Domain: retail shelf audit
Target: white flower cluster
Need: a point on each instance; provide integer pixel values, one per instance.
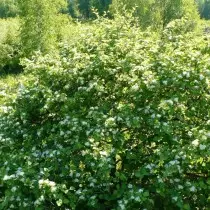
(46, 182)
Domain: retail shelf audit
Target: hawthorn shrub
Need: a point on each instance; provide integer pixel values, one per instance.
(119, 120)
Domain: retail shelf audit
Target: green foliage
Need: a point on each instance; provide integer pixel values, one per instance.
(179, 27)
(73, 8)
(101, 5)
(9, 85)
(8, 8)
(158, 13)
(119, 120)
(39, 24)
(204, 8)
(144, 10)
(83, 8)
(9, 45)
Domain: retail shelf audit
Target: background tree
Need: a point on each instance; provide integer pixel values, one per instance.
(100, 5)
(73, 8)
(8, 8)
(39, 26)
(83, 8)
(204, 8)
(158, 13)
(144, 9)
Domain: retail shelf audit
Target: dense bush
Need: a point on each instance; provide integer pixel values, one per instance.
(119, 120)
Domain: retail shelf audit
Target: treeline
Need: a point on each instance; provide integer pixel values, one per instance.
(84, 8)
(204, 8)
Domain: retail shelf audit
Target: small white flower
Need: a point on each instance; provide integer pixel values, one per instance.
(141, 190)
(78, 192)
(201, 77)
(158, 115)
(165, 124)
(148, 166)
(175, 198)
(82, 197)
(20, 173)
(53, 189)
(202, 147)
(41, 182)
(193, 189)
(6, 177)
(14, 189)
(91, 184)
(18, 198)
(208, 134)
(25, 204)
(172, 162)
(165, 82)
(94, 180)
(130, 186)
(195, 142)
(62, 133)
(125, 201)
(104, 153)
(176, 99)
(51, 184)
(41, 198)
(170, 102)
(135, 87)
(188, 183)
(92, 164)
(137, 198)
(87, 144)
(160, 180)
(187, 74)
(122, 207)
(153, 116)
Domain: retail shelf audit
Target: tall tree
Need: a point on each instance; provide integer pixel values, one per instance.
(73, 8)
(206, 9)
(38, 24)
(83, 8)
(8, 8)
(100, 5)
